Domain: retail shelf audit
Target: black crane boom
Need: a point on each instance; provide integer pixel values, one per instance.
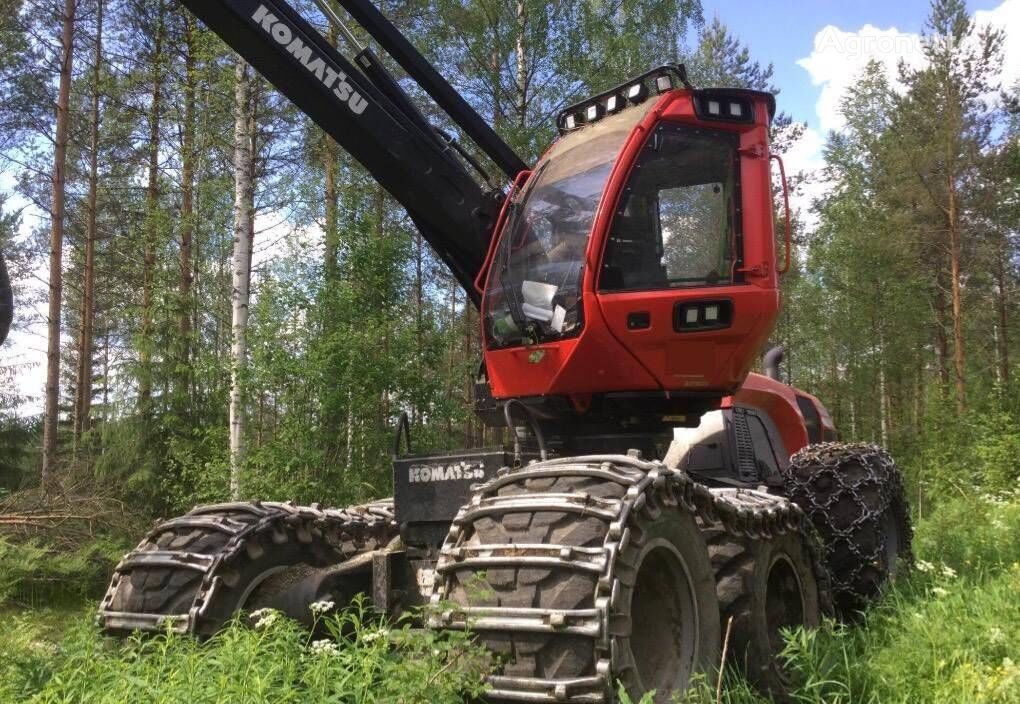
(405, 155)
(396, 45)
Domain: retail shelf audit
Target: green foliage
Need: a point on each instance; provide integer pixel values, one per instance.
(946, 633)
(939, 640)
(18, 563)
(977, 535)
(34, 573)
(362, 662)
(960, 455)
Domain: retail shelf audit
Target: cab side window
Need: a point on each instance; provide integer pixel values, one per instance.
(677, 221)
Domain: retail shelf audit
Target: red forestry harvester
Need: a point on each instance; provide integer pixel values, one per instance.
(655, 489)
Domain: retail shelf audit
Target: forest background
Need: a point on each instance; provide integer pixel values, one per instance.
(144, 168)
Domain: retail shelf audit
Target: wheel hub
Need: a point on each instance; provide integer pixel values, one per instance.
(664, 618)
(784, 601)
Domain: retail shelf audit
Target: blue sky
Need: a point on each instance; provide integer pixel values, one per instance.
(784, 31)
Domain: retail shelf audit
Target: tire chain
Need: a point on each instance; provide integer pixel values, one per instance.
(349, 531)
(827, 463)
(651, 487)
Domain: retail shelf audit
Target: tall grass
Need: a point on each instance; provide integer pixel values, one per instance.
(948, 633)
(354, 658)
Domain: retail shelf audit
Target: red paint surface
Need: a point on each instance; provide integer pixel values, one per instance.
(606, 356)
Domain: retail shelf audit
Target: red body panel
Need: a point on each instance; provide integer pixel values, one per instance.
(607, 356)
(779, 401)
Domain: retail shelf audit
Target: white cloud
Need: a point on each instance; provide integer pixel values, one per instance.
(836, 61)
(1007, 17)
(806, 153)
(839, 57)
(805, 157)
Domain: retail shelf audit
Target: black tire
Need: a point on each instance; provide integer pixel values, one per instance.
(763, 585)
(853, 494)
(653, 613)
(197, 571)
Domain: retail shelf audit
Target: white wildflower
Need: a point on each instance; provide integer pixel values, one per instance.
(995, 635)
(44, 647)
(265, 617)
(948, 572)
(324, 647)
(320, 607)
(939, 592)
(924, 566)
(376, 634)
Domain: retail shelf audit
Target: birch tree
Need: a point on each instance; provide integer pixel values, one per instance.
(244, 230)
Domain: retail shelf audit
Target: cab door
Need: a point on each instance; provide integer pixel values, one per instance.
(672, 284)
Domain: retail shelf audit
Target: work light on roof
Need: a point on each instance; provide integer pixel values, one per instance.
(593, 112)
(637, 92)
(663, 83)
(571, 122)
(615, 103)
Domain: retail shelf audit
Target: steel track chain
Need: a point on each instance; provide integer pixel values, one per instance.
(651, 487)
(350, 531)
(819, 478)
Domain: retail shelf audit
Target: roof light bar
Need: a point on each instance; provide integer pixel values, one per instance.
(615, 103)
(637, 92)
(659, 81)
(724, 105)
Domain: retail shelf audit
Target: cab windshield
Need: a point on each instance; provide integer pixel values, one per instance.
(534, 288)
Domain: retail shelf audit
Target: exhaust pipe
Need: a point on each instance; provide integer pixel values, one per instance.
(773, 358)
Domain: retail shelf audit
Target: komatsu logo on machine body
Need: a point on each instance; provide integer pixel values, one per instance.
(420, 473)
(335, 80)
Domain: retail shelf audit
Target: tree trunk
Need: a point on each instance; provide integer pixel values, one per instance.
(188, 157)
(382, 305)
(419, 310)
(244, 194)
(330, 163)
(522, 66)
(883, 396)
(49, 463)
(83, 401)
(470, 331)
(959, 361)
(1002, 313)
(941, 339)
(152, 222)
